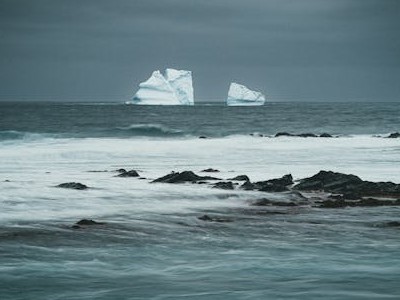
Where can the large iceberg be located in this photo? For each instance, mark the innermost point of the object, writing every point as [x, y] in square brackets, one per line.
[173, 88]
[239, 95]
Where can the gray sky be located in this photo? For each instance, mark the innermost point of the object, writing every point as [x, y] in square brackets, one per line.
[98, 50]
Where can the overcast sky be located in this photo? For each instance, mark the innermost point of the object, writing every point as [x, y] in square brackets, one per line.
[98, 50]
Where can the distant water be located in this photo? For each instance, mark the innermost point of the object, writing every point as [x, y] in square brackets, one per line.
[22, 120]
[153, 245]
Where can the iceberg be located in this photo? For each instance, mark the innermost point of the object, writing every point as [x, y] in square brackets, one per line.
[239, 95]
[173, 88]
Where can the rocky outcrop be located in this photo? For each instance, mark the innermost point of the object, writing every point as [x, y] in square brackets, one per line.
[181, 177]
[304, 135]
[73, 185]
[240, 178]
[207, 218]
[394, 135]
[224, 185]
[125, 173]
[347, 184]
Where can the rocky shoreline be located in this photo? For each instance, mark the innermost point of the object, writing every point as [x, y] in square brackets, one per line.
[324, 190]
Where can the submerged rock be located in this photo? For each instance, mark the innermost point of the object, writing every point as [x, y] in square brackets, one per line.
[240, 178]
[210, 170]
[73, 185]
[207, 218]
[366, 202]
[86, 222]
[228, 185]
[185, 176]
[131, 173]
[268, 202]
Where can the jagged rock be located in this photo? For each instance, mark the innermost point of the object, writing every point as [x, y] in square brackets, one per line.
[276, 184]
[131, 173]
[248, 186]
[210, 170]
[240, 178]
[207, 218]
[349, 185]
[185, 176]
[228, 185]
[394, 135]
[73, 185]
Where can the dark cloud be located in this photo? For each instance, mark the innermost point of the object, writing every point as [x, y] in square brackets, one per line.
[290, 49]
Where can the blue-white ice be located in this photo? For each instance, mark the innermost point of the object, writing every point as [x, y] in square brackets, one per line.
[240, 95]
[173, 88]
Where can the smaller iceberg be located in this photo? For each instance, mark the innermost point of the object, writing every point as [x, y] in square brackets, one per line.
[173, 88]
[239, 95]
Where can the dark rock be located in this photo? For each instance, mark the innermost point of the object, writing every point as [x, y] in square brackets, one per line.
[121, 171]
[273, 188]
[240, 178]
[7, 180]
[267, 202]
[394, 135]
[87, 222]
[325, 135]
[228, 185]
[185, 176]
[349, 185]
[391, 224]
[210, 170]
[276, 184]
[283, 134]
[248, 186]
[203, 137]
[73, 185]
[306, 135]
[207, 218]
[131, 173]
[365, 202]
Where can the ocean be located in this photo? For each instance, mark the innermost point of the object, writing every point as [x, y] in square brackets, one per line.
[153, 244]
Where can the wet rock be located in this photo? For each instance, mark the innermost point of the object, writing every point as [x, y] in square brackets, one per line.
[228, 185]
[351, 186]
[210, 170]
[306, 135]
[203, 137]
[86, 222]
[325, 135]
[276, 184]
[394, 135]
[207, 218]
[283, 134]
[268, 202]
[121, 171]
[7, 180]
[185, 176]
[240, 178]
[391, 224]
[131, 173]
[248, 186]
[365, 202]
[73, 185]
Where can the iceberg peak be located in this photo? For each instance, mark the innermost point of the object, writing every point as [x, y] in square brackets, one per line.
[239, 94]
[173, 88]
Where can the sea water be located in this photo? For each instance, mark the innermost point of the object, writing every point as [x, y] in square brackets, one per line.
[153, 246]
